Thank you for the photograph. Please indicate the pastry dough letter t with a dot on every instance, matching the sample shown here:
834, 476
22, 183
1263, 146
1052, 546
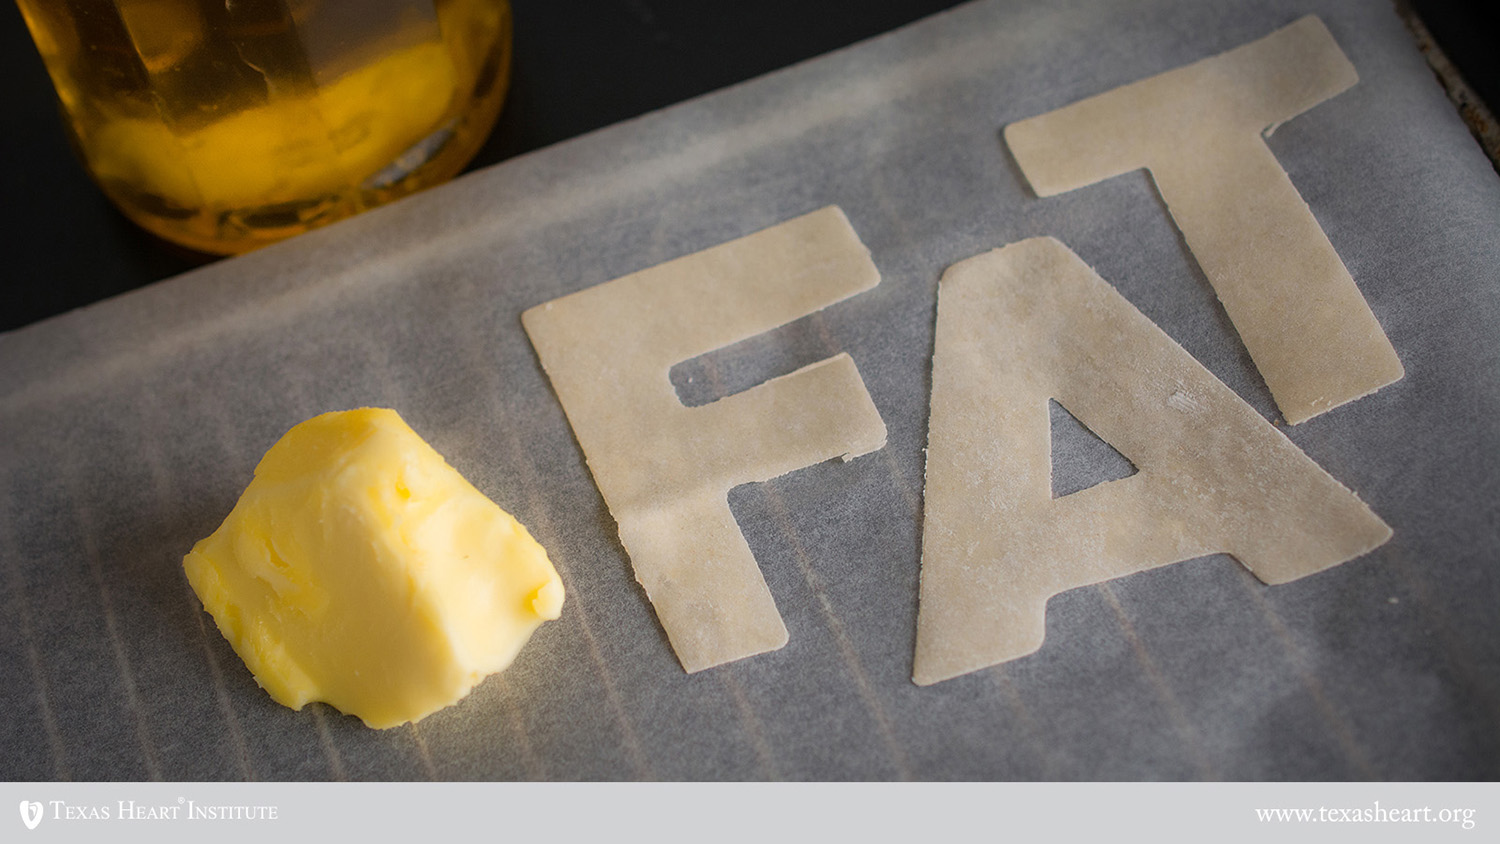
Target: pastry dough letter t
1198, 129
664, 469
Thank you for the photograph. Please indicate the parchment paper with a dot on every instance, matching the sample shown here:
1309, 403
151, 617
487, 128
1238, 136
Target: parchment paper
128, 429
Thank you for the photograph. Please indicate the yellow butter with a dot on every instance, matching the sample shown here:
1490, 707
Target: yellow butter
361, 570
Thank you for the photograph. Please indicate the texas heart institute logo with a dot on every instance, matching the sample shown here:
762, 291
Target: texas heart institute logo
31, 814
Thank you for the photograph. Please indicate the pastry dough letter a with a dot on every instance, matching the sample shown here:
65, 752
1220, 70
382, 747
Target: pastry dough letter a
665, 470
1031, 322
1198, 129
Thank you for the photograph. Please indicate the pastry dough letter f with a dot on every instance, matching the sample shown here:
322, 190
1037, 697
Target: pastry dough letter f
665, 470
1198, 129
1031, 322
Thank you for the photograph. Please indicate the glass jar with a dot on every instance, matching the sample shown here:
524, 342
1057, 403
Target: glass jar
225, 125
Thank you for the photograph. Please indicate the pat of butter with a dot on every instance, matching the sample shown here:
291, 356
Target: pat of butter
361, 570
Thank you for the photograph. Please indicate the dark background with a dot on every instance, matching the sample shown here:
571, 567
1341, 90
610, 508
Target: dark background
579, 65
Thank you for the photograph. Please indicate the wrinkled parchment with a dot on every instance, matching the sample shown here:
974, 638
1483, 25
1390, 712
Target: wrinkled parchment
128, 429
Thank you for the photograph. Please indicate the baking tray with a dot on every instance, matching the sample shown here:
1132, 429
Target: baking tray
128, 429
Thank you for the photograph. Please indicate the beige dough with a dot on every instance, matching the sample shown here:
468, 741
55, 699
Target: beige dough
664, 469
1031, 322
1199, 130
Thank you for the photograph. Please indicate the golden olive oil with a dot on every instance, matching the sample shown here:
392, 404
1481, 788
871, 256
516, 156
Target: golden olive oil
225, 125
